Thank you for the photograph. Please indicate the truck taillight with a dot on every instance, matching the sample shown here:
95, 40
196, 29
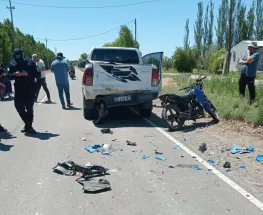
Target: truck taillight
87, 78
155, 77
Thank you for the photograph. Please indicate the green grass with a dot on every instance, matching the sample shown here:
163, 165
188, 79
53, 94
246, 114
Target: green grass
223, 93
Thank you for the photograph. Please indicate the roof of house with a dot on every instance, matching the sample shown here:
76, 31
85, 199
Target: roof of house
260, 43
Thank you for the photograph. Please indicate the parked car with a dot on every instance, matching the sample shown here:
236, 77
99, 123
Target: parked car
121, 77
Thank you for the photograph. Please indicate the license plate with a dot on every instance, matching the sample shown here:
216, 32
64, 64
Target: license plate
122, 98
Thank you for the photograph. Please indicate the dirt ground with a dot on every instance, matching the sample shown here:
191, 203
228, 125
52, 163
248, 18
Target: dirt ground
219, 139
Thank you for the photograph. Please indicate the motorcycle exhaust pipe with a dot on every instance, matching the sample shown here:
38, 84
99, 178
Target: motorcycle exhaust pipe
185, 116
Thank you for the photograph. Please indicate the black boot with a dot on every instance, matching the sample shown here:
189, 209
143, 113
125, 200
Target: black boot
31, 130
2, 129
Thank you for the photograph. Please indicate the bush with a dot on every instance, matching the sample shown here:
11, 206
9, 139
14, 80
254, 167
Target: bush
185, 60
216, 60
167, 63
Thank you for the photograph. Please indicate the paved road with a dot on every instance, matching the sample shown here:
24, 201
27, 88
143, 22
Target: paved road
28, 185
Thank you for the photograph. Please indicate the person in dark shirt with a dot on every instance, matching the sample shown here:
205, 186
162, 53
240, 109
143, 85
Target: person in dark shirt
24, 71
248, 71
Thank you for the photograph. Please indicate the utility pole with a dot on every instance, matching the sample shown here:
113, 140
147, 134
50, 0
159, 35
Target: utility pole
135, 23
230, 25
11, 8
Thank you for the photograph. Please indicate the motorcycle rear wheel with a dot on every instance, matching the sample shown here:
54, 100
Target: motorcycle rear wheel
173, 118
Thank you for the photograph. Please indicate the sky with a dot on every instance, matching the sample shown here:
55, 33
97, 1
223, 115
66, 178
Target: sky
160, 24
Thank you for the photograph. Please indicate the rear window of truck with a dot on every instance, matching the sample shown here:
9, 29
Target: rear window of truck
115, 55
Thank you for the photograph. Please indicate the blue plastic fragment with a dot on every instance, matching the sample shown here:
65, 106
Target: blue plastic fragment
259, 158
90, 149
211, 161
242, 167
161, 158
96, 146
184, 139
209, 170
176, 147
153, 171
250, 148
121, 150
228, 170
197, 168
145, 157
148, 136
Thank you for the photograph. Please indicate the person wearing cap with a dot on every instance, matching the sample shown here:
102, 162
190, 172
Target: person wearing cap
42, 80
24, 72
248, 71
60, 68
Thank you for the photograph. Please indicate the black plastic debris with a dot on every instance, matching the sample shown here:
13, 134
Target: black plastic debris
158, 153
130, 143
172, 167
91, 176
185, 165
227, 165
202, 148
106, 131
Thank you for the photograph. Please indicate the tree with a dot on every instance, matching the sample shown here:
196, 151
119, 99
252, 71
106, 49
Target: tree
84, 56
221, 31
250, 21
167, 63
259, 19
205, 30
125, 39
186, 37
185, 60
211, 25
198, 29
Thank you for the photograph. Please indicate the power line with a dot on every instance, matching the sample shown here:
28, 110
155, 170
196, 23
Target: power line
81, 38
83, 7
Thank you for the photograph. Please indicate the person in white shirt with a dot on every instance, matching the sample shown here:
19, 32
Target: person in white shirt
42, 80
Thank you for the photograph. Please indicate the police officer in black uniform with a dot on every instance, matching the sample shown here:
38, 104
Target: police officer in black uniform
24, 71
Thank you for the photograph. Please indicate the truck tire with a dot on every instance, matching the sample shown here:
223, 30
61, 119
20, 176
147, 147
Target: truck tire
145, 109
89, 114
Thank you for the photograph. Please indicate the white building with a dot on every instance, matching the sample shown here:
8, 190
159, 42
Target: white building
238, 52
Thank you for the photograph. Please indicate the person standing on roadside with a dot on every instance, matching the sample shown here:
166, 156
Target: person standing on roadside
42, 80
248, 71
24, 71
60, 68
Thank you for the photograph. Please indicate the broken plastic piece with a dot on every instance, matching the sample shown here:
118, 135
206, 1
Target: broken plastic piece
130, 143
228, 170
250, 148
153, 171
227, 165
145, 157
63, 169
242, 167
84, 139
148, 136
202, 147
161, 158
158, 153
211, 161
259, 158
235, 150
172, 167
95, 185
197, 168
90, 149
176, 147
106, 131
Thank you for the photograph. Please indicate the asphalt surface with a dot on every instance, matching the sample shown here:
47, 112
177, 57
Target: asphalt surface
139, 186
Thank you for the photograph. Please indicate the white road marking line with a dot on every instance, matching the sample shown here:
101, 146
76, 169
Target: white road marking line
227, 180
42, 100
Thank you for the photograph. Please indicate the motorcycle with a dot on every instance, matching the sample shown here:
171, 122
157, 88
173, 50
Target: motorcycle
190, 106
72, 74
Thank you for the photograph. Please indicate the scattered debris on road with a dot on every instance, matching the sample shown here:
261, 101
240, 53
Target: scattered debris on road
148, 136
185, 166
84, 139
235, 150
211, 161
158, 153
243, 167
145, 157
202, 148
259, 158
130, 143
88, 175
176, 147
161, 158
172, 167
197, 168
106, 131
227, 165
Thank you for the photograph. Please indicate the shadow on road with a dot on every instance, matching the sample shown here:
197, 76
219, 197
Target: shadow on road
5, 148
74, 108
42, 135
6, 136
189, 128
124, 117
47, 103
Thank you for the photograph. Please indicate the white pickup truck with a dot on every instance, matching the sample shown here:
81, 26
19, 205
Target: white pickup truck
121, 77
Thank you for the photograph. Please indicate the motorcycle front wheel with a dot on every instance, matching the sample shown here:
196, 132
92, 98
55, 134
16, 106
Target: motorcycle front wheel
170, 117
213, 113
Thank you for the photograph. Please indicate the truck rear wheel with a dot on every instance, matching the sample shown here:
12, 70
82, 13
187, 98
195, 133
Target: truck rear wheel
89, 114
145, 109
